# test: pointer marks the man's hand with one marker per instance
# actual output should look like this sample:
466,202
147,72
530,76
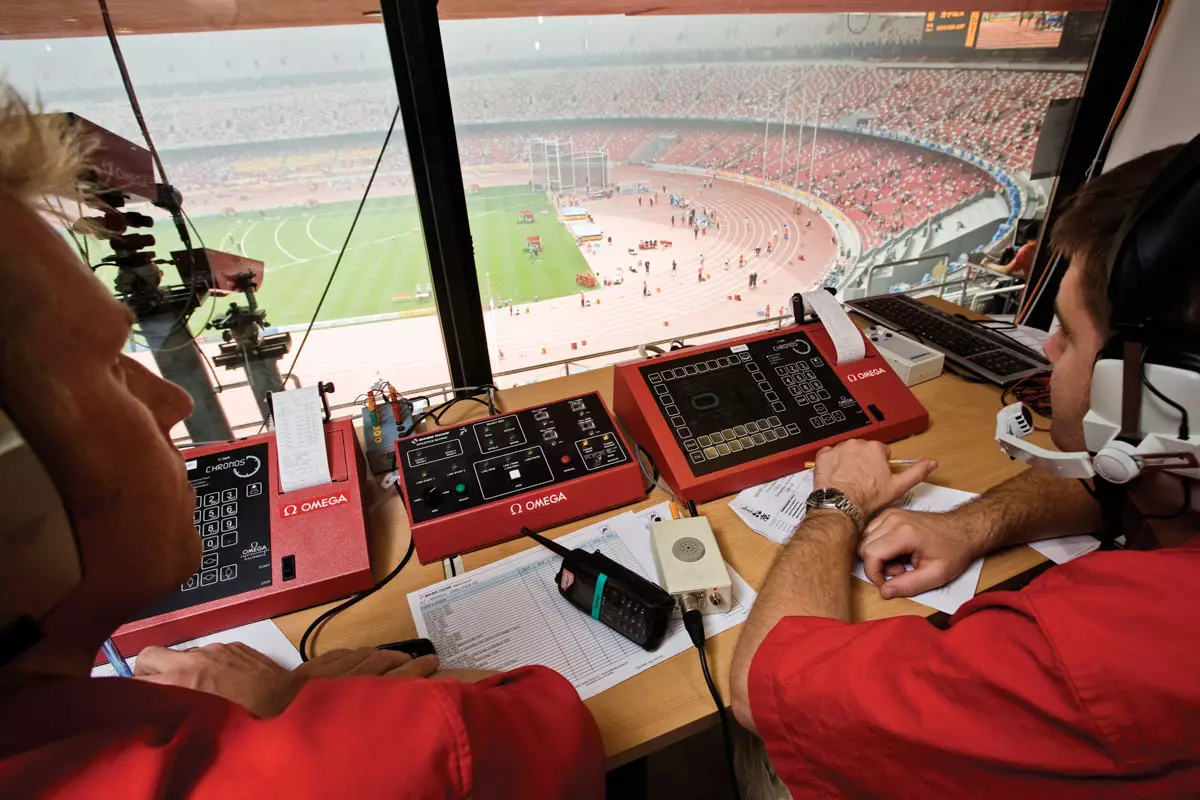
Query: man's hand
939,547
244,676
860,469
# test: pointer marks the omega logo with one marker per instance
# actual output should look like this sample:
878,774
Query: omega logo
871,373
294,509
540,502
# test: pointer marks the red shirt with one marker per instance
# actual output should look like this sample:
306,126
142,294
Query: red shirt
1084,685
524,734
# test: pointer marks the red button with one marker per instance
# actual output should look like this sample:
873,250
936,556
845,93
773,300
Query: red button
566,459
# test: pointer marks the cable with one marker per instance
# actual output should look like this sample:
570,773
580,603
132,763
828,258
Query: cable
1033,391
653,480
337,263
341,253
1184,426
691,507
693,621
313,628
863,30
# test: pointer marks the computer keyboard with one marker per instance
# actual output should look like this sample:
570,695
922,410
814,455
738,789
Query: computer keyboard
984,352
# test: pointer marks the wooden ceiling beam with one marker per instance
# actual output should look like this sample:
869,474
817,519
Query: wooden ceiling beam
42,19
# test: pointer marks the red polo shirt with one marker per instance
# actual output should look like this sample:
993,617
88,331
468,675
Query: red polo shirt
524,734
1086,684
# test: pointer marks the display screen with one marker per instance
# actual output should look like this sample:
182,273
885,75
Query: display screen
1019,30
994,30
733,406
950,28
713,402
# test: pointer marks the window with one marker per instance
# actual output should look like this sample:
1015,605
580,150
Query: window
626,176
270,136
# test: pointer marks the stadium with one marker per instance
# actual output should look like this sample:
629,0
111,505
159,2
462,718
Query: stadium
806,165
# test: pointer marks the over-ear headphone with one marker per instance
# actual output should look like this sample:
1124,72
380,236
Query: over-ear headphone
39,554
1146,380
1145,395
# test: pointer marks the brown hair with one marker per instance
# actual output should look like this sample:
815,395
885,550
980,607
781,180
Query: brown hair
1086,232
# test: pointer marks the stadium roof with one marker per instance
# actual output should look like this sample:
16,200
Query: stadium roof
21,19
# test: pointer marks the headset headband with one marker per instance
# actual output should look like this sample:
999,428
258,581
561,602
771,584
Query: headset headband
1155,244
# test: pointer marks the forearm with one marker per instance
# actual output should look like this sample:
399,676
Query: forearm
1031,506
810,577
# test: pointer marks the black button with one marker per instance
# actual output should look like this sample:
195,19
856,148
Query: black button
288,565
875,412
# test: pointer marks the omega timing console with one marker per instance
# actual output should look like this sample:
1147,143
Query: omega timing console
479,483
721,417
264,552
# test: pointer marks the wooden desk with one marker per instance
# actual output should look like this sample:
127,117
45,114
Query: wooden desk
670,701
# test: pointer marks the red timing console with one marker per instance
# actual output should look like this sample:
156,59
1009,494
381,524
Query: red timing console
478,483
721,417
265,552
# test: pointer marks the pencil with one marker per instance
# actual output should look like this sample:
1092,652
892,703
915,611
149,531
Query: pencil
895,462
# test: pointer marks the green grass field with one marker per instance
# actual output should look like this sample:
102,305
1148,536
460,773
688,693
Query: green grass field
386,257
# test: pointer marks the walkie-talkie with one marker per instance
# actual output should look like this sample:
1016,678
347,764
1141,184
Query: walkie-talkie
615,595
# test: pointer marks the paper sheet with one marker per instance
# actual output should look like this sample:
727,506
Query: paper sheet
775,509
510,614
300,438
1066,548
264,636
847,339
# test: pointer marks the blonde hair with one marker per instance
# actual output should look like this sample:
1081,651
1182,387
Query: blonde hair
42,156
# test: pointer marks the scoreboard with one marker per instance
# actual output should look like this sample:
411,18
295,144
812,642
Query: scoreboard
951,28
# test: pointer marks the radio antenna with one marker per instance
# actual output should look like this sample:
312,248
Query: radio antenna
547,543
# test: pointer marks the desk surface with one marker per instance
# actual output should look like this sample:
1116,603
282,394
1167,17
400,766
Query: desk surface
670,701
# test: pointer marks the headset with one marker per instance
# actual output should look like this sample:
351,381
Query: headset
39,554
1145,393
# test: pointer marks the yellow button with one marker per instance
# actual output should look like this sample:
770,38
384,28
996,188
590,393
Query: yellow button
606,437
585,442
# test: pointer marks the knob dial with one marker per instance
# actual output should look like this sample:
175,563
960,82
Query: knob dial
432,497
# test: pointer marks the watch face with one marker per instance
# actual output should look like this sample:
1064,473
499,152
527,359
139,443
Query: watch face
826,495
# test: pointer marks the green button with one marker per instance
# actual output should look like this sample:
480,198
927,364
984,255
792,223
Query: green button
461,488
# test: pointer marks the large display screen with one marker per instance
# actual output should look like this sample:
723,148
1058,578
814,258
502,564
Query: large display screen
994,30
1019,30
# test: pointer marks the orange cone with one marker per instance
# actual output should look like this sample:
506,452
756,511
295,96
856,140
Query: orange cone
543,351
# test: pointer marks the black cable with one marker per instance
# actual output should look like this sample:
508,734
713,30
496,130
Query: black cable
1184,426
313,628
863,30
691,506
693,621
337,263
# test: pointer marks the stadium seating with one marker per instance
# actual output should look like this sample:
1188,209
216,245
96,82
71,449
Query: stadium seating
995,113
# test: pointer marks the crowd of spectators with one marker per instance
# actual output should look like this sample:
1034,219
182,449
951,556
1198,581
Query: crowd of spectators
995,113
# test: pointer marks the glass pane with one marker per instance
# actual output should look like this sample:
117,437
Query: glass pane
270,136
633,179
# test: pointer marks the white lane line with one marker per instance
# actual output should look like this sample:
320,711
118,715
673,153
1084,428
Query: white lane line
313,239
296,261
242,243
279,244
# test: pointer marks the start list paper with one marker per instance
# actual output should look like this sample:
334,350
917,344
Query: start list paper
509,614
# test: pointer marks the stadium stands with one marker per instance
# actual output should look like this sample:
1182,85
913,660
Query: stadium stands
995,113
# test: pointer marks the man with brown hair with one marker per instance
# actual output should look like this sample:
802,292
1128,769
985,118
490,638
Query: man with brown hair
218,721
1081,685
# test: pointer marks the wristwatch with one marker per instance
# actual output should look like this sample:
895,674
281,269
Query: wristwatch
836,499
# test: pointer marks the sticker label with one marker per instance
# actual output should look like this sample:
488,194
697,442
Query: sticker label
566,580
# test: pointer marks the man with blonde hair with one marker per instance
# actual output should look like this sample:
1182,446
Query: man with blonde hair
219,721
